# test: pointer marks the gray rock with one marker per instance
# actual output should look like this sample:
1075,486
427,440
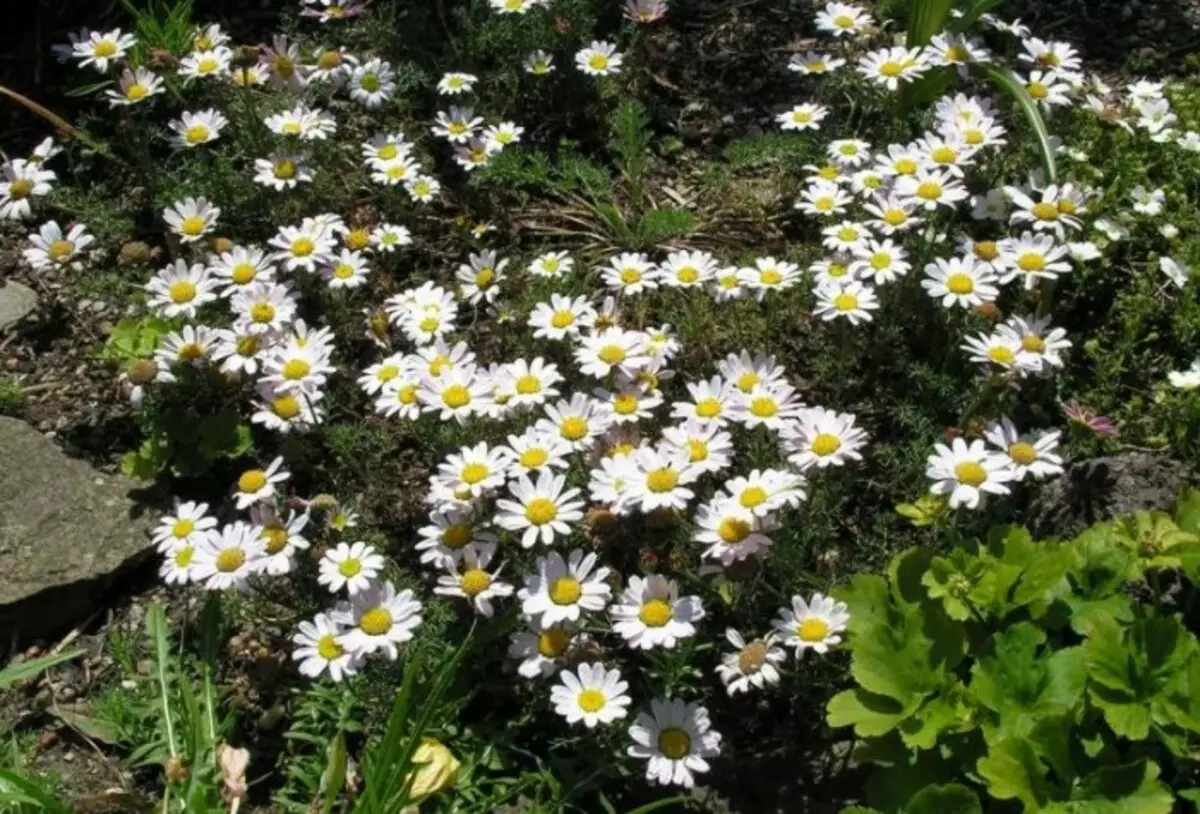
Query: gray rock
67,534
17,301
1100,489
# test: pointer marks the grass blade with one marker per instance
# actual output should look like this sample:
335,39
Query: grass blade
1008,83
156,626
34,667
972,15
925,19
657,804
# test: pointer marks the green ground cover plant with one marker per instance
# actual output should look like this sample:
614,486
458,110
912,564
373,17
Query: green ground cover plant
534,439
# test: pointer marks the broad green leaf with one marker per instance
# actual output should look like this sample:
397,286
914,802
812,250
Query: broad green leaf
924,90
1005,81
926,18
1052,738
31,668
1187,510
921,729
1132,788
1042,575
951,797
871,715
1010,676
1013,772
950,580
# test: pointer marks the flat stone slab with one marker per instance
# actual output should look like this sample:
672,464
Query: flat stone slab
17,301
67,533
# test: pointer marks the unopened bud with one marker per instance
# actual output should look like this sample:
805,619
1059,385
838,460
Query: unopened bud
142,371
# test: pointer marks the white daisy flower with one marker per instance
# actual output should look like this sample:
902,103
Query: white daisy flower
378,619
814,625
652,614
54,249
318,650
540,511
675,739
228,557
821,438
1030,454
191,219
186,525
542,651
561,590
258,485
599,59
753,664
179,290
470,579
592,694
731,532
967,473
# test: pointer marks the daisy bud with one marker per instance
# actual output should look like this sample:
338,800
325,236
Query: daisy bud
220,244
160,59
989,310
176,769
661,518
357,239
324,503
379,325
142,371
562,25
976,427
134,253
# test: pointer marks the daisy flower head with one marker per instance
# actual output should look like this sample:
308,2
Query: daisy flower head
177,565
263,307
961,282
551,265
1188,379
542,650
768,406
306,246
1031,257
651,613
240,267
562,590
474,471
1000,349
457,394
892,214
422,188
929,188
745,372
645,11
630,273
286,411
498,136
479,278
880,261
675,739
101,49
259,485
751,665
535,450
661,478
803,117
378,619
371,83
540,511
204,64
387,237
591,694
850,152
135,85
318,650
851,300
514,6
1041,343
1048,88
561,318
812,62
538,63
577,422
767,490
457,125
191,219
814,625
470,579
179,290
821,438
282,538
688,269
768,274
1052,209
843,20
967,472
186,525
891,66
453,84
54,249
332,65
191,344
228,557
599,59
845,237
281,170
473,154
297,366
709,448
612,349
731,532
947,152
712,402
956,50
823,199
1029,454
1148,201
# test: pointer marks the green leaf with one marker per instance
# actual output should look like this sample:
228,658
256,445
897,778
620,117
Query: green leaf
926,18
333,778
1006,82
951,580
1187,510
1043,574
31,668
871,715
951,797
661,224
1013,772
921,729
147,461
1132,788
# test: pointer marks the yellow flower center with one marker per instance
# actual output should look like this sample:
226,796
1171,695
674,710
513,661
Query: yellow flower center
429,324
1067,207
974,137
369,82
328,648
708,408
196,134
611,354
230,560
295,369
275,539
630,275
625,404
20,188
207,65
812,630
534,457
880,261
290,128
591,700
1045,211
825,443
764,407
456,535
484,277
573,428
541,511
845,302
328,60
262,312
675,743
243,273
183,528
824,204
895,217
286,406
801,116
456,396
987,250
474,582
343,271
770,277
1037,90
284,66
1001,355
956,53
303,247
752,657
474,473
193,225
349,567
562,319
697,450
387,373
944,155
136,92
182,291
733,530
597,62
971,473
1031,261
753,496
656,613
183,557
929,190
375,622
553,643
687,274
105,48
960,283
843,21
407,394
251,481
1023,453
1033,343
565,591
190,351
285,169
662,480
891,69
